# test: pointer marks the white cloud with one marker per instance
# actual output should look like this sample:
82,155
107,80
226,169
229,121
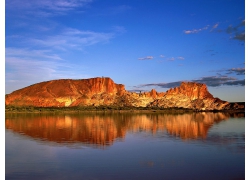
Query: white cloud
72,38
26,66
171,59
175,58
119,29
146,58
196,30
187,31
44,8
214,26
180,58
27,70
213,81
41,58
19,52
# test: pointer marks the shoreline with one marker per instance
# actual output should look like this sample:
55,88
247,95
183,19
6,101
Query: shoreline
108,109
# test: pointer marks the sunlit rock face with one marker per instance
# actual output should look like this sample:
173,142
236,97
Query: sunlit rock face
190,95
190,89
67,92
104,130
103,91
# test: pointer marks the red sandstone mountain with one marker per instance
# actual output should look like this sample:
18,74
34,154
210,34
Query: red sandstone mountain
66,92
103,91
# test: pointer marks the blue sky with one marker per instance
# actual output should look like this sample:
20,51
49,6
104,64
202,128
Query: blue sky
143,44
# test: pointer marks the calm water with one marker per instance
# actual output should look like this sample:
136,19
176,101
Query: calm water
125,146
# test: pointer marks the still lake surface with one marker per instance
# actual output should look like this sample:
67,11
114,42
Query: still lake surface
125,146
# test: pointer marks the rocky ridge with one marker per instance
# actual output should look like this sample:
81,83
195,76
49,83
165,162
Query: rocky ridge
103,91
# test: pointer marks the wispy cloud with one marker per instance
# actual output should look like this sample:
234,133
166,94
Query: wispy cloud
213,81
146,58
72,38
214,27
237,71
24,68
161,85
36,63
40,59
180,58
196,30
233,71
238,31
171,59
240,37
119,29
39,54
44,8
175,58
38,50
234,29
66,39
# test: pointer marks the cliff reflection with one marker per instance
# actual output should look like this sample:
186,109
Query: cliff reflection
104,129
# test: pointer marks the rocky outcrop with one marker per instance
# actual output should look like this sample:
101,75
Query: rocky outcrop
103,91
190,89
67,92
190,95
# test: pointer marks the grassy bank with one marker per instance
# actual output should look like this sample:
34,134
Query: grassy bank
84,109
27,109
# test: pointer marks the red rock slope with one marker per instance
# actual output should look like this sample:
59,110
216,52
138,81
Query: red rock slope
66,92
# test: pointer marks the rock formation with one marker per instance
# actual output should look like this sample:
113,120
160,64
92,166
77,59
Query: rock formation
103,91
190,95
67,92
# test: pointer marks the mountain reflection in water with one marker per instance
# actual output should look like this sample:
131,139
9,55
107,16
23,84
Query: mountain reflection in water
104,129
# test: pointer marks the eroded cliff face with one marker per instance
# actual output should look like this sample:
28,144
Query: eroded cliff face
67,92
103,91
190,95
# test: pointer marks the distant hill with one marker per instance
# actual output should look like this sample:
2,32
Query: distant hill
103,91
